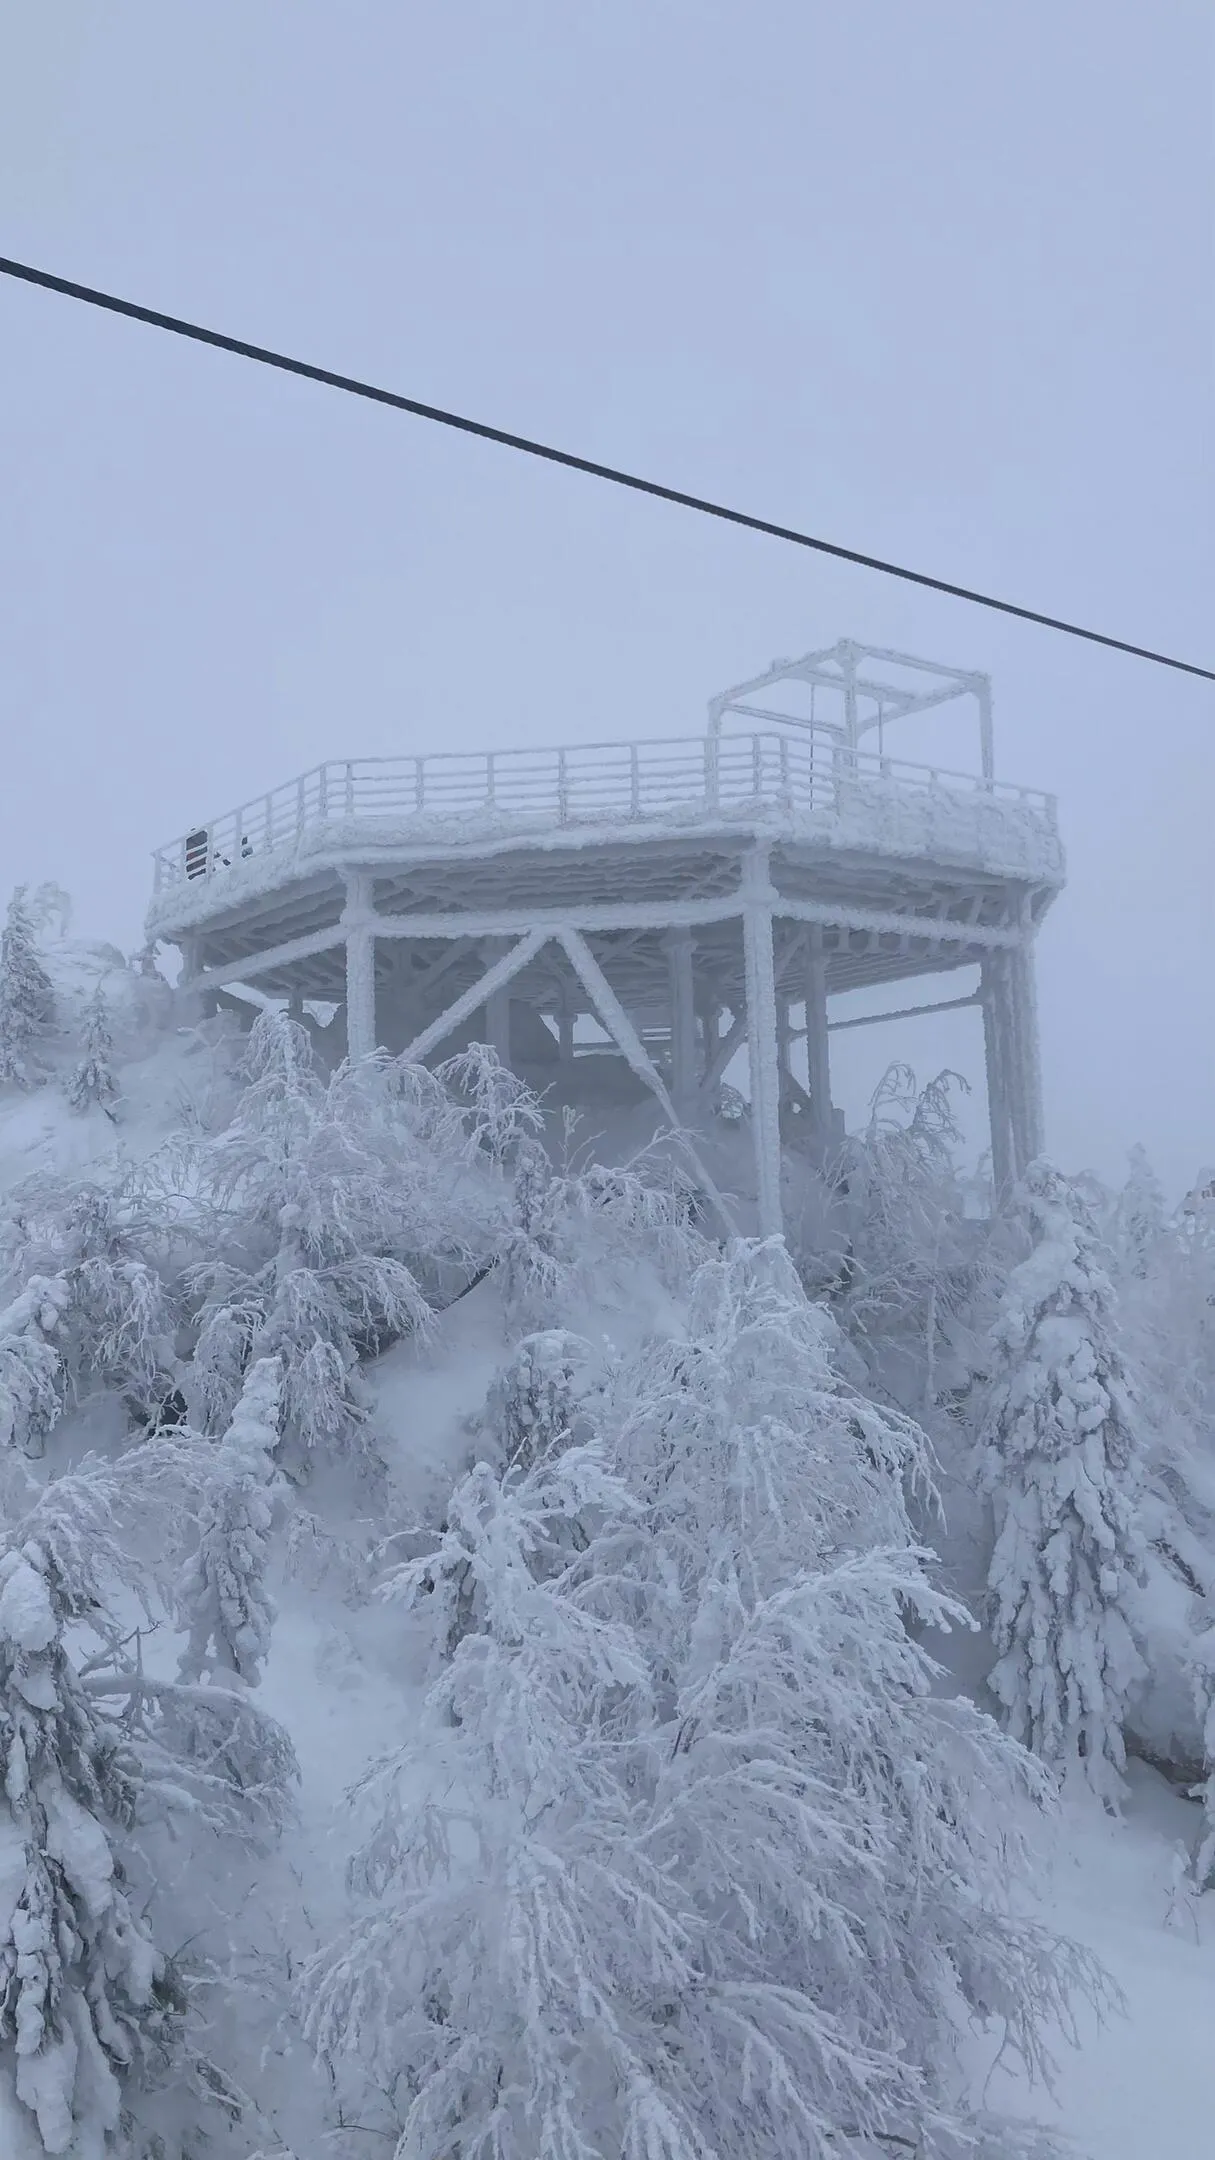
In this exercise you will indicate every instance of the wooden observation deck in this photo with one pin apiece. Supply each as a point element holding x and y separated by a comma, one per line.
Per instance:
<point>694,897</point>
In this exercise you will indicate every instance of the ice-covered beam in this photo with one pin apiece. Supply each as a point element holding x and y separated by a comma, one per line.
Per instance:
<point>725,1050</point>
<point>655,915</point>
<point>1014,1073</point>
<point>937,929</point>
<point>684,1073</point>
<point>762,1039</point>
<point>996,1057</point>
<point>818,1047</point>
<point>497,1006</point>
<point>360,966</point>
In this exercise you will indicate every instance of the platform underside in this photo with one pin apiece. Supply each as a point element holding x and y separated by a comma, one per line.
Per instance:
<point>878,919</point>
<point>691,897</point>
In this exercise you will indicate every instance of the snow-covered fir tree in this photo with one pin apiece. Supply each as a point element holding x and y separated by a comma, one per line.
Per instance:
<point>1062,1453</point>
<point>26,998</point>
<point>87,2001</point>
<point>32,1364</point>
<point>689,1857</point>
<point>331,1198</point>
<point>92,1083</point>
<point>1139,1216</point>
<point>535,1409</point>
<point>534,1402</point>
<point>114,1781</point>
<point>223,1599</point>
<point>498,1110</point>
<point>580,1231</point>
<point>914,1270</point>
<point>109,1245</point>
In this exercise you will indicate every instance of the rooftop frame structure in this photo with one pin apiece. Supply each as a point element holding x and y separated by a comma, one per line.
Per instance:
<point>859,690</point>
<point>697,898</point>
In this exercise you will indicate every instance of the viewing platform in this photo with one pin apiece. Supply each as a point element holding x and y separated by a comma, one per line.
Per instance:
<point>689,895</point>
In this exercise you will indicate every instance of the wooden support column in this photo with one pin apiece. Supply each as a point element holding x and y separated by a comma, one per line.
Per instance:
<point>685,1076</point>
<point>1028,1132</point>
<point>762,1045</point>
<point>189,998</point>
<point>784,1045</point>
<point>497,1004</point>
<point>996,1059</point>
<point>818,1041</point>
<point>721,1049</point>
<point>360,966</point>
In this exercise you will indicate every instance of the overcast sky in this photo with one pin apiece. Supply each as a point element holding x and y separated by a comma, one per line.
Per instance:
<point>931,277</point>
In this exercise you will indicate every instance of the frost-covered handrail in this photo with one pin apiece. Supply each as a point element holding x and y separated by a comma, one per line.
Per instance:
<point>585,784</point>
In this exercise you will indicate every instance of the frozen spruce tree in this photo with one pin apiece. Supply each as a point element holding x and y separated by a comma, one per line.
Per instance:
<point>87,2003</point>
<point>690,1855</point>
<point>328,1201</point>
<point>580,1233</point>
<point>32,1365</point>
<point>107,1245</point>
<point>92,1083</point>
<point>534,1403</point>
<point>25,996</point>
<point>1139,1219</point>
<point>535,1410</point>
<point>1061,1454</point>
<point>223,1596</point>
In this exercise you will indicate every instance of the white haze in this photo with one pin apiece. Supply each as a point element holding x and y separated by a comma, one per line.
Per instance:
<point>931,280</point>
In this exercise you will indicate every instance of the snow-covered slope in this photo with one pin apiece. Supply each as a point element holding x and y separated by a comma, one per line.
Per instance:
<point>343,1677</point>
<point>167,1076</point>
<point>1141,2086</point>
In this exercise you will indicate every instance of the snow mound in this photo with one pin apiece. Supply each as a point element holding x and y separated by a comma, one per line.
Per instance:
<point>1142,2086</point>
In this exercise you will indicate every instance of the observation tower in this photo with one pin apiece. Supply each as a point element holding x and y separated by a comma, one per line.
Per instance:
<point>683,900</point>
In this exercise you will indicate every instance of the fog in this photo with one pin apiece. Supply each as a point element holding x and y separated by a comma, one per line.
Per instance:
<point>932,280</point>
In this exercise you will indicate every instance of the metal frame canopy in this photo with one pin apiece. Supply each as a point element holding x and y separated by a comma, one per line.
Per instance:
<point>863,688</point>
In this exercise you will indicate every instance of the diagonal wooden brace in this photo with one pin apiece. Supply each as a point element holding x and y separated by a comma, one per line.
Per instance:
<point>495,978</point>
<point>615,1019</point>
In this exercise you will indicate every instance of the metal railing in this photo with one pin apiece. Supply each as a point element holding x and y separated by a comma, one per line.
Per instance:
<point>686,780</point>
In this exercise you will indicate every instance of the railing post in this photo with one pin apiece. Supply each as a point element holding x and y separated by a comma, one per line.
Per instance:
<point>848,659</point>
<point>634,782</point>
<point>322,792</point>
<point>489,779</point>
<point>786,793</point>
<point>419,773</point>
<point>349,790</point>
<point>757,774</point>
<point>563,788</point>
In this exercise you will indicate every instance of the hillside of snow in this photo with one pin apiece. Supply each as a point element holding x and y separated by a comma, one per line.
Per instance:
<point>346,1672</point>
